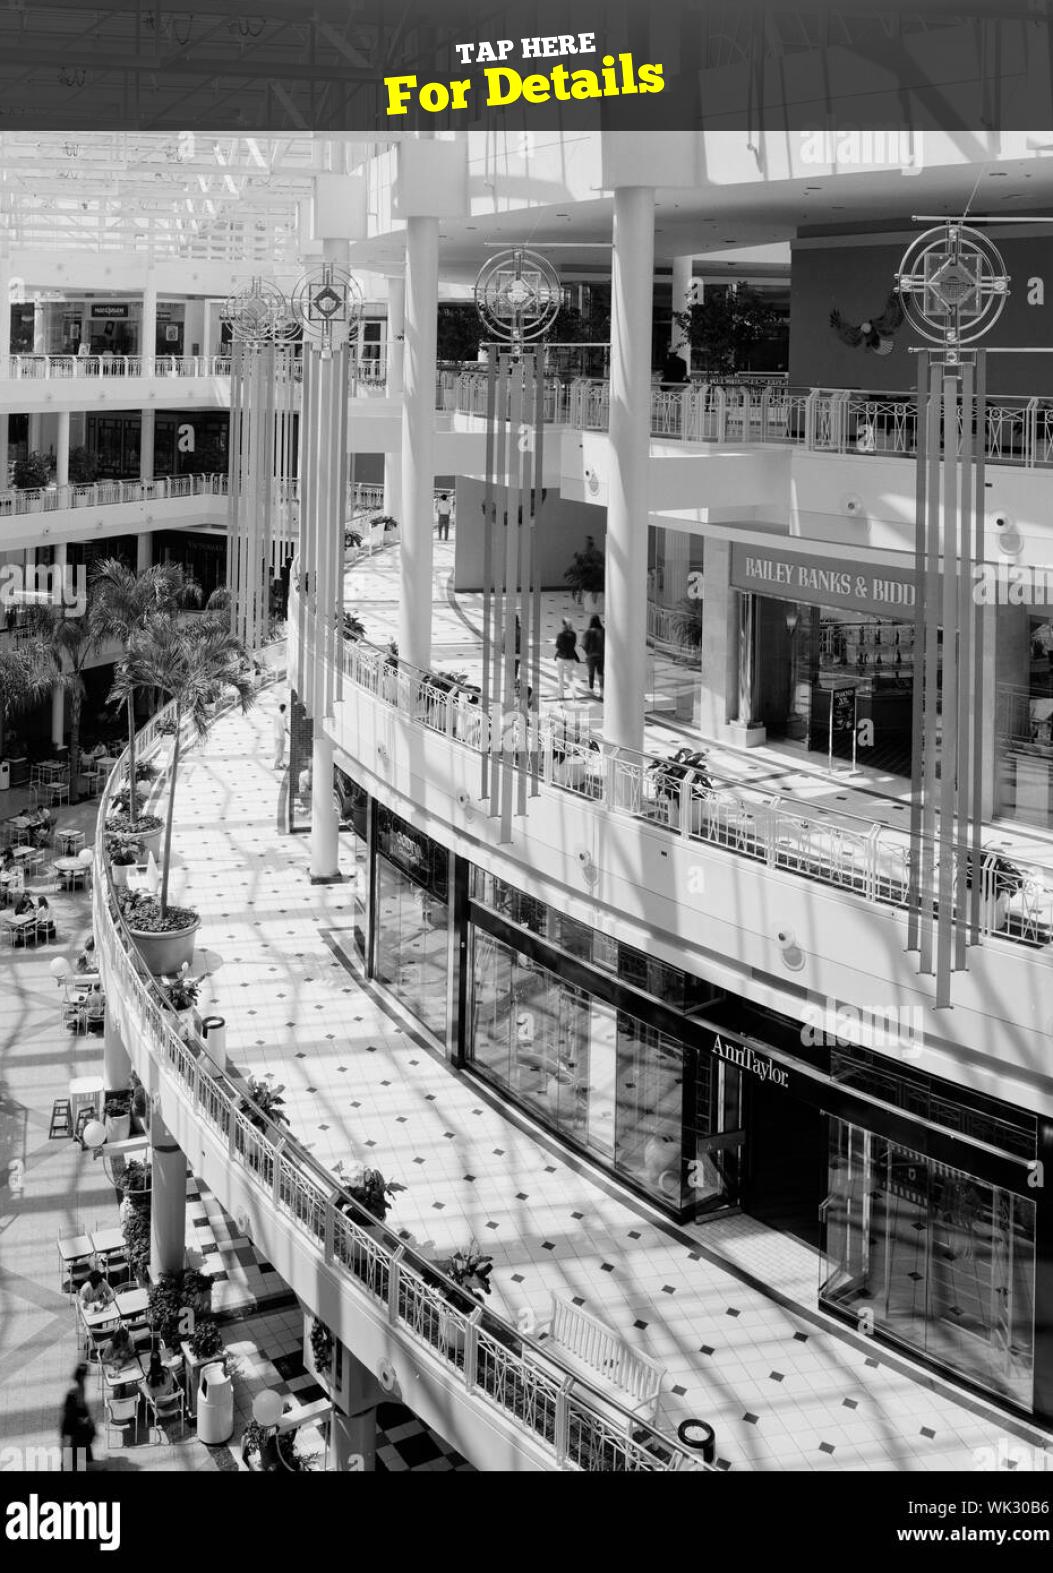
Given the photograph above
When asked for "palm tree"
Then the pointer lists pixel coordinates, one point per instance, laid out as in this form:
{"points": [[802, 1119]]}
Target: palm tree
{"points": [[25, 679], [62, 647], [121, 602], [191, 664], [687, 623]]}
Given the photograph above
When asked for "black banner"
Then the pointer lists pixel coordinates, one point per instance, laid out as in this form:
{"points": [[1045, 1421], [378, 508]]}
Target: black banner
{"points": [[577, 64]]}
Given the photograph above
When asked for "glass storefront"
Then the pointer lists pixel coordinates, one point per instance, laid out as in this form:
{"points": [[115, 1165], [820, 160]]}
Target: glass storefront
{"points": [[602, 1078], [411, 895], [932, 1257]]}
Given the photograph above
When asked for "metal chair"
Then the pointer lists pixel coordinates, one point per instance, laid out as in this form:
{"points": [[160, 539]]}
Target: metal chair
{"points": [[121, 1412], [173, 1403]]}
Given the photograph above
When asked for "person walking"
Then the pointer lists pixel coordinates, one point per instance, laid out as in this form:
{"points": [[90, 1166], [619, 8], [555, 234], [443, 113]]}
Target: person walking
{"points": [[443, 510], [566, 656], [279, 737], [77, 1427], [593, 644]]}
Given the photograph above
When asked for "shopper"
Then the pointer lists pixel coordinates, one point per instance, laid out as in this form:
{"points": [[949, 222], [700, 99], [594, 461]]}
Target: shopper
{"points": [[95, 1292], [566, 656], [443, 510], [77, 1426], [593, 645], [674, 372], [279, 738]]}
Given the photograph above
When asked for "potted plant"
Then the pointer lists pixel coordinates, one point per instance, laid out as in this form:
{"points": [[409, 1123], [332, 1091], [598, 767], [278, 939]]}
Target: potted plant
{"points": [[192, 666], [180, 1303], [135, 1183], [587, 575], [268, 1100], [145, 830], [32, 473], [135, 1227], [322, 1346], [124, 851], [165, 938], [259, 1448], [205, 1341], [368, 1188], [182, 991], [83, 468], [470, 1271], [354, 627], [117, 1116]]}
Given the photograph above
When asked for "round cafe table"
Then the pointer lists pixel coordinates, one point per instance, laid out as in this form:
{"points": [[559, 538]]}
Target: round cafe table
{"points": [[86, 1089]]}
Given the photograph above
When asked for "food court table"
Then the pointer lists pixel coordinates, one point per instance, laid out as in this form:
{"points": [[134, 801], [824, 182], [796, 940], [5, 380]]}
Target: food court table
{"points": [[19, 923], [69, 841], [105, 1241], [70, 869]]}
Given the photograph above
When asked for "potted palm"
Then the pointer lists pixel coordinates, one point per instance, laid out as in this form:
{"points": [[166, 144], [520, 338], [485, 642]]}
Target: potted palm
{"points": [[182, 991], [123, 851], [470, 1270], [192, 666], [587, 576]]}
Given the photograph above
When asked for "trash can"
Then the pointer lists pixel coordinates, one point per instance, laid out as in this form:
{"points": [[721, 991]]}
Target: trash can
{"points": [[215, 1405], [5, 775], [700, 1437], [214, 1038]]}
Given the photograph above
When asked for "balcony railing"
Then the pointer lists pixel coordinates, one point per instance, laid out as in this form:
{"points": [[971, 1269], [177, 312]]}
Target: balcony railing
{"points": [[579, 1428], [106, 494], [1017, 429], [841, 850], [55, 368]]}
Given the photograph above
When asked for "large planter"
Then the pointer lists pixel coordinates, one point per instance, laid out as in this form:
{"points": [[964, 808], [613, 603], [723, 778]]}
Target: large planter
{"points": [[166, 952], [119, 873], [151, 841], [118, 1127]]}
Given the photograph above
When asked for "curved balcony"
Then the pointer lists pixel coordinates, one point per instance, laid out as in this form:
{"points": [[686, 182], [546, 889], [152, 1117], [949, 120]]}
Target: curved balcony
{"points": [[108, 494], [63, 368], [377, 1294]]}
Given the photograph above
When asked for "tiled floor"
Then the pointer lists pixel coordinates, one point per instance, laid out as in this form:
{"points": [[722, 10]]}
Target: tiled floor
{"points": [[777, 1380]]}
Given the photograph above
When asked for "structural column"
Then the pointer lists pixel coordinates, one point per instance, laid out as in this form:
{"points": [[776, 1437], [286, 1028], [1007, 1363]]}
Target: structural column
{"points": [[168, 1200], [58, 697], [629, 449], [5, 350], [62, 449], [116, 1063], [146, 444], [325, 817], [418, 441], [395, 384], [143, 552], [682, 297], [355, 1433], [718, 689], [148, 331]]}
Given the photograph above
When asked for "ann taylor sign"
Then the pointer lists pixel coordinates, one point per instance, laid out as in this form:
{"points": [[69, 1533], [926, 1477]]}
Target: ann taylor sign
{"points": [[819, 581], [747, 1059]]}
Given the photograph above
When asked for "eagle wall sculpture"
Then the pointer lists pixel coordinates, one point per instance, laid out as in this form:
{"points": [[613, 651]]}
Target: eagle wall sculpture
{"points": [[878, 334]]}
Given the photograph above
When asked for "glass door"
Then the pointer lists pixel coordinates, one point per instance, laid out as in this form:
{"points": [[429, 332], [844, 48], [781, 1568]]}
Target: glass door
{"points": [[844, 1217]]}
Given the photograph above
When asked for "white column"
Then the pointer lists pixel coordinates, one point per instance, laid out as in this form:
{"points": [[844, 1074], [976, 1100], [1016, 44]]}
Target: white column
{"points": [[148, 329], [58, 698], [681, 292], [5, 350], [417, 525], [629, 450], [40, 342], [355, 1433], [62, 450], [325, 818], [395, 363], [143, 552], [35, 433], [116, 1063], [168, 1200], [146, 444]]}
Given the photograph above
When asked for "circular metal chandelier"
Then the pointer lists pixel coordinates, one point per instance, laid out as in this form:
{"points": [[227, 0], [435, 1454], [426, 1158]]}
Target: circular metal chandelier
{"points": [[327, 304], [518, 296], [953, 285], [259, 314]]}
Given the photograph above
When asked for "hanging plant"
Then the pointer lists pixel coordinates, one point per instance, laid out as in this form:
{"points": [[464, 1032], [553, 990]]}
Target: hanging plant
{"points": [[322, 1346]]}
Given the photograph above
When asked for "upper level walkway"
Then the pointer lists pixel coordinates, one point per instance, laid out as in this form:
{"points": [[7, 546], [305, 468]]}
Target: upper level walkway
{"points": [[784, 1386]]}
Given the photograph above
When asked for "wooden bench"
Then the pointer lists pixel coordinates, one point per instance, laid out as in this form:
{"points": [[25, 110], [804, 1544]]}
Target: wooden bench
{"points": [[599, 1356]]}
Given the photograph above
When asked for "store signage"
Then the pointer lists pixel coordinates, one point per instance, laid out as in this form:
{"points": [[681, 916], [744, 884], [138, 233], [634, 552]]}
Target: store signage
{"points": [[405, 850], [747, 1059], [818, 581], [109, 309]]}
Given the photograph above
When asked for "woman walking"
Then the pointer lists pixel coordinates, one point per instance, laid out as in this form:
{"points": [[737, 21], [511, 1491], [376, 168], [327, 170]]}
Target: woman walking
{"points": [[566, 656], [77, 1428], [593, 645]]}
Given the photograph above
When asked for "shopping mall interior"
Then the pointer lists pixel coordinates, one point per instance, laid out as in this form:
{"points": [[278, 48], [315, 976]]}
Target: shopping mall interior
{"points": [[488, 645]]}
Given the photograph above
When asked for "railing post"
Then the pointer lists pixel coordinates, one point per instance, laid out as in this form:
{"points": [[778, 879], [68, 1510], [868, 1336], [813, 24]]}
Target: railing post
{"points": [[562, 1421], [276, 1177], [471, 1349], [394, 1275], [331, 1215]]}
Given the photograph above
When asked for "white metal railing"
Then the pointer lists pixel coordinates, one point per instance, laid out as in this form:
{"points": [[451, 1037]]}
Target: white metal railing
{"points": [[480, 1350], [99, 494], [48, 368], [1018, 429], [841, 850]]}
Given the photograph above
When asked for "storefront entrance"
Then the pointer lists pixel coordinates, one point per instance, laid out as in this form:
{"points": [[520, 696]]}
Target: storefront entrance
{"points": [[785, 1161]]}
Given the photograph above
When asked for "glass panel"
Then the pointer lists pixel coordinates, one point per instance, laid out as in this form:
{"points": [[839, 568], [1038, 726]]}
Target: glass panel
{"points": [[933, 1257], [649, 1113], [411, 944], [603, 1077]]}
